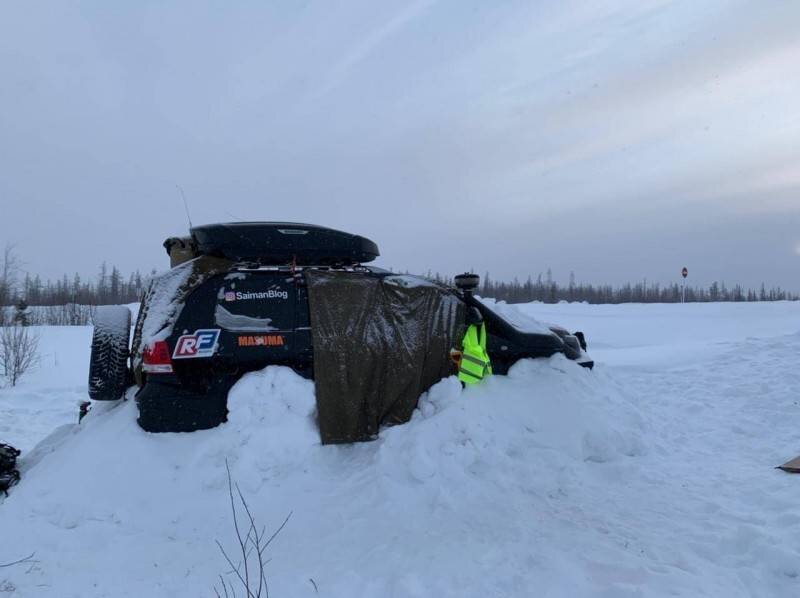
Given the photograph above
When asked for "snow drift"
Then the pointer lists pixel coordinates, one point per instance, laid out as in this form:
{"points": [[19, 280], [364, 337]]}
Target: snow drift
{"points": [[451, 504], [651, 476]]}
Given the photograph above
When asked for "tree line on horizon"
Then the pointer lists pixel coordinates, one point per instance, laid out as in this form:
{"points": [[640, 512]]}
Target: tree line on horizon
{"points": [[111, 287], [546, 290]]}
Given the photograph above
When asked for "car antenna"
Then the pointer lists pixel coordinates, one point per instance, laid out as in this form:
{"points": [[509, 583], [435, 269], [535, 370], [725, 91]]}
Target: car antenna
{"points": [[185, 205]]}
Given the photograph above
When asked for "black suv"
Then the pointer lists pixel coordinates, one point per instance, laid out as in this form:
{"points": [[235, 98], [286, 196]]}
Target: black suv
{"points": [[237, 299]]}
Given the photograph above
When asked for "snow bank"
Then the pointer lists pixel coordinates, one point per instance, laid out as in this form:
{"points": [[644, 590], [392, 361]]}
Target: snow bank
{"points": [[666, 334], [651, 476], [439, 506], [49, 394]]}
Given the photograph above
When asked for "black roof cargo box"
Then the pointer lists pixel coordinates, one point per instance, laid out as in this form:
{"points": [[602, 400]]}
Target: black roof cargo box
{"points": [[279, 243]]}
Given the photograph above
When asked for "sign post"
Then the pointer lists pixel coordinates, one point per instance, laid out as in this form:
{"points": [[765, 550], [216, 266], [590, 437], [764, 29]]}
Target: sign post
{"points": [[684, 273]]}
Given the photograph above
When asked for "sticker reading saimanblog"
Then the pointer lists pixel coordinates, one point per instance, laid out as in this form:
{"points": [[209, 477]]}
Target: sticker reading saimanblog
{"points": [[203, 343], [249, 295]]}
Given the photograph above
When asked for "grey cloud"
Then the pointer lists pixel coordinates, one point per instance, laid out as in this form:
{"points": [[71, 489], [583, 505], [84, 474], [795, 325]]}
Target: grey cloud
{"points": [[615, 139]]}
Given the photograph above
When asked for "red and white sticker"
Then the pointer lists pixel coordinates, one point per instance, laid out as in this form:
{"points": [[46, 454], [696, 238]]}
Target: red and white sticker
{"points": [[203, 343]]}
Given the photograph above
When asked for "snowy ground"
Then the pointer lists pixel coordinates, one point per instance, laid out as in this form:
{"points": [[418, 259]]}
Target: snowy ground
{"points": [[651, 476], [48, 396]]}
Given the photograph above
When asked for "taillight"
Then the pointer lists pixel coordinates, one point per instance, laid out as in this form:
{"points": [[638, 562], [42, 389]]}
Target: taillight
{"points": [[156, 359]]}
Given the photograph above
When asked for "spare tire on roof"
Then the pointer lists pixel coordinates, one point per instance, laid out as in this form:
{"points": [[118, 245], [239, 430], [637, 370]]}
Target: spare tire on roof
{"points": [[279, 243]]}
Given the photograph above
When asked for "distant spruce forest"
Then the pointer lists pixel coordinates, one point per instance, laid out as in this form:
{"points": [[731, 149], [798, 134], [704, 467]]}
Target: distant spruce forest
{"points": [[544, 288], [111, 287]]}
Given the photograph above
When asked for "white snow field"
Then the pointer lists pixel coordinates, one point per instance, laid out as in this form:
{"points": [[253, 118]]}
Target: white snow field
{"points": [[650, 476]]}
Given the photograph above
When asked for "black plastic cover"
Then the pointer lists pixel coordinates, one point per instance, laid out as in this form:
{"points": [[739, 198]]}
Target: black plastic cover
{"points": [[279, 243]]}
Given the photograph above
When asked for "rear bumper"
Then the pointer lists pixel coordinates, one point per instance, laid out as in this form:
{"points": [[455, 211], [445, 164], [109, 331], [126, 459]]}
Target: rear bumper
{"points": [[169, 407]]}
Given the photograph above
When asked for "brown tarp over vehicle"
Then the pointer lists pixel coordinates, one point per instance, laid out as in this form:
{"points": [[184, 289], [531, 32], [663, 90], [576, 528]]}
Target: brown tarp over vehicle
{"points": [[379, 343]]}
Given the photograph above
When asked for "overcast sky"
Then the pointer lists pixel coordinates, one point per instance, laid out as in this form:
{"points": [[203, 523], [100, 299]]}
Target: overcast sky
{"points": [[616, 139]]}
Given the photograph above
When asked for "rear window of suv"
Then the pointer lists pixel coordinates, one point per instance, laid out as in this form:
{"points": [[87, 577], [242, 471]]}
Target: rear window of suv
{"points": [[256, 302]]}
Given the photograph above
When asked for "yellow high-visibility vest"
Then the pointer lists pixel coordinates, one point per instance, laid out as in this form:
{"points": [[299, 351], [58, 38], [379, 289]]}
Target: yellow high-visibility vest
{"points": [[475, 363]]}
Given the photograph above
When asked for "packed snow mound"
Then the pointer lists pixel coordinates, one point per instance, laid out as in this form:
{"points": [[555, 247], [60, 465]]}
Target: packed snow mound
{"points": [[462, 501], [449, 504]]}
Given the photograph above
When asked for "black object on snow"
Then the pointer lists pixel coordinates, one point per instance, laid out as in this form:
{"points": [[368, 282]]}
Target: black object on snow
{"points": [[83, 410], [279, 243], [581, 340], [108, 364], [8, 462], [379, 343]]}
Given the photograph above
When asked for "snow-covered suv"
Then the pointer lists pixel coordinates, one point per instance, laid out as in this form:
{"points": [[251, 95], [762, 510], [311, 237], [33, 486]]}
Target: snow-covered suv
{"points": [[237, 300]]}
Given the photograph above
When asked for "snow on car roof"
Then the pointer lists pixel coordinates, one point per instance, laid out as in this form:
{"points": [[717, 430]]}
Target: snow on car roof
{"points": [[515, 316]]}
